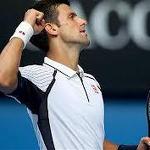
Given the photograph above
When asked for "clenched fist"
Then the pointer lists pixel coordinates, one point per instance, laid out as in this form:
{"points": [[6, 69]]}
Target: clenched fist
{"points": [[35, 19]]}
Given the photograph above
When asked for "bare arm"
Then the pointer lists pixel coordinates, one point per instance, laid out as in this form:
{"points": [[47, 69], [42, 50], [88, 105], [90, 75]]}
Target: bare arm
{"points": [[109, 146], [144, 144], [9, 63], [11, 54]]}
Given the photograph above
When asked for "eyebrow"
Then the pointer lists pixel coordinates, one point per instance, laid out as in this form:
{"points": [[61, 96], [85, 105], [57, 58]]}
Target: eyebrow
{"points": [[72, 14]]}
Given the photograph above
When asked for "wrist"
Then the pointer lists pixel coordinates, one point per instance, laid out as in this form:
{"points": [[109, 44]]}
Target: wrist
{"points": [[24, 32]]}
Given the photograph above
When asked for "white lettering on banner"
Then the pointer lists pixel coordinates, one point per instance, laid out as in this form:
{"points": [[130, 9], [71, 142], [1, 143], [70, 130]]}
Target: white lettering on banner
{"points": [[137, 25], [134, 27], [99, 24]]}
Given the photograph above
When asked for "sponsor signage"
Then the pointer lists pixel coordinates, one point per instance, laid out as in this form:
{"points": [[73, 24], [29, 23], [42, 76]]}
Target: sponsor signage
{"points": [[119, 53]]}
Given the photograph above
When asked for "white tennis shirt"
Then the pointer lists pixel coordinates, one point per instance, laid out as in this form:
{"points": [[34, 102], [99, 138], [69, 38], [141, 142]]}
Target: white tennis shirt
{"points": [[72, 115]]}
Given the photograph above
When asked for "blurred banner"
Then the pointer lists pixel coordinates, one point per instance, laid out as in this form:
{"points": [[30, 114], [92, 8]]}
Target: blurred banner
{"points": [[119, 54]]}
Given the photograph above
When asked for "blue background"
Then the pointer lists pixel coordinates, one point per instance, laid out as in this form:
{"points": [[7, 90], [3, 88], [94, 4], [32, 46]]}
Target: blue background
{"points": [[125, 122]]}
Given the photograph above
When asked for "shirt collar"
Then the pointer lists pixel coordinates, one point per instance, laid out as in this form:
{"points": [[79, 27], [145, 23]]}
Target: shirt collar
{"points": [[63, 69]]}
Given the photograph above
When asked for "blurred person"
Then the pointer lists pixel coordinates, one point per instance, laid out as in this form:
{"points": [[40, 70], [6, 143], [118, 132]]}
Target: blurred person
{"points": [[65, 103]]}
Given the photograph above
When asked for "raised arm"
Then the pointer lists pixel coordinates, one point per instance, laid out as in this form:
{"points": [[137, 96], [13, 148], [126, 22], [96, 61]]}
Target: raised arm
{"points": [[11, 54]]}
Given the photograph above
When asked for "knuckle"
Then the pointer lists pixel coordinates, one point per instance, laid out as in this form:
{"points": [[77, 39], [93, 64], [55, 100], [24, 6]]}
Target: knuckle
{"points": [[32, 9]]}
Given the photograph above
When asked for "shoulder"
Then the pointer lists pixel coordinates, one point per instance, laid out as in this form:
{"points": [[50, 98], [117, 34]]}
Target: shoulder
{"points": [[35, 70], [91, 77], [39, 75]]}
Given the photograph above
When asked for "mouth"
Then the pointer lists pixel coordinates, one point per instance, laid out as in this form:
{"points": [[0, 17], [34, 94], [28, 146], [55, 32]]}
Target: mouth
{"points": [[83, 32]]}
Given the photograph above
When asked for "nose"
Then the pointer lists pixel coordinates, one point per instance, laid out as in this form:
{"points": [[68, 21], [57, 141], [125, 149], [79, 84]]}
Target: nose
{"points": [[83, 21]]}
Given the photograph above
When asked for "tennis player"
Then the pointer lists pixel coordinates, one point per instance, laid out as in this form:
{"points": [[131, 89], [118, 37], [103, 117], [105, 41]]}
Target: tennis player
{"points": [[65, 103]]}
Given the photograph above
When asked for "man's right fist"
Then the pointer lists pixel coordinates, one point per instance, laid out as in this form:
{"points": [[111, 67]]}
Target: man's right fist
{"points": [[35, 19]]}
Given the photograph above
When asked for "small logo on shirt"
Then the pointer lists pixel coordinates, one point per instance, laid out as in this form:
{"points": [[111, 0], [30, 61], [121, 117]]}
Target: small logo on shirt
{"points": [[21, 32], [95, 88]]}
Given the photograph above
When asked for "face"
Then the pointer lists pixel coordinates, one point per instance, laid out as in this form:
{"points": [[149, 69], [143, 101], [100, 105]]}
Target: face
{"points": [[72, 28]]}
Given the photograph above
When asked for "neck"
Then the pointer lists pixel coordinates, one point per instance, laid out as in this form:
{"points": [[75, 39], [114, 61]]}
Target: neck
{"points": [[67, 56]]}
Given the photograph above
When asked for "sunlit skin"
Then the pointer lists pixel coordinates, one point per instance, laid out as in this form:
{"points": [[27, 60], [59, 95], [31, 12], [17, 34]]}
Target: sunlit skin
{"points": [[68, 38], [72, 28]]}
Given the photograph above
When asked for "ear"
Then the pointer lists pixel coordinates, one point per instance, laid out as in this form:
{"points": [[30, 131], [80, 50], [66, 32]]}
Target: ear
{"points": [[51, 29]]}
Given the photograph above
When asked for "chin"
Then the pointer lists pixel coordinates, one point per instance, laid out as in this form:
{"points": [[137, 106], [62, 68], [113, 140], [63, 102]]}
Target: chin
{"points": [[84, 45]]}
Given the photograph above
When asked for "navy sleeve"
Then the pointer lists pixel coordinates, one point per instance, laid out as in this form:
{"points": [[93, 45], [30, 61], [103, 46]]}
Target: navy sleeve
{"points": [[127, 147], [28, 94]]}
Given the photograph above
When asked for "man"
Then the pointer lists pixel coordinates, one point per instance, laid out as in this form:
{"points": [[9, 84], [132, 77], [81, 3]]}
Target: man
{"points": [[66, 112]]}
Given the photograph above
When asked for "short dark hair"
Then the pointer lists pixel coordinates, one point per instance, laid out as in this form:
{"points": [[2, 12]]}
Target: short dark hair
{"points": [[48, 7]]}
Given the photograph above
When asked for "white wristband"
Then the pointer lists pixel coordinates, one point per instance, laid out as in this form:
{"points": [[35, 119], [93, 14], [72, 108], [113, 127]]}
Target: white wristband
{"points": [[24, 31]]}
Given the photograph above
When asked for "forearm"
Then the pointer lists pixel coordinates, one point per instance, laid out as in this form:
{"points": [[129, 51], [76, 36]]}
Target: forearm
{"points": [[109, 146], [9, 62], [11, 55]]}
